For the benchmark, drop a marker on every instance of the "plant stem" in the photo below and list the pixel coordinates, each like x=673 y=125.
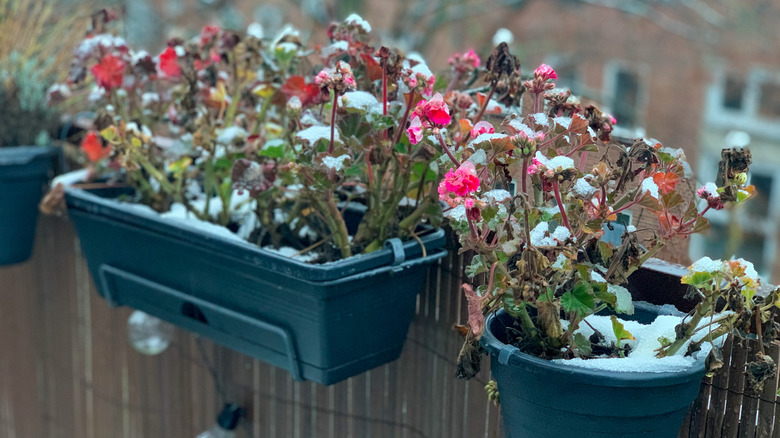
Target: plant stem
x=701 y=310
x=557 y=191
x=525 y=174
x=402 y=125
x=333 y=121
x=446 y=149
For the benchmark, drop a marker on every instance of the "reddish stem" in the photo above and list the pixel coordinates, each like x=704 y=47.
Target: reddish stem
x=446 y=149
x=333 y=121
x=583 y=159
x=402 y=125
x=384 y=89
x=557 y=191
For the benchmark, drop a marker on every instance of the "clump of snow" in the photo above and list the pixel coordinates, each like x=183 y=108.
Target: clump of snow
x=560 y=162
x=255 y=30
x=750 y=270
x=564 y=122
x=316 y=133
x=631 y=229
x=560 y=261
x=286 y=251
x=648 y=185
x=642 y=356
x=503 y=35
x=706 y=264
x=624 y=303
x=360 y=100
x=583 y=189
x=185 y=218
x=518 y=126
x=541 y=119
x=486 y=137
x=335 y=163
x=70 y=178
x=457 y=214
x=598 y=278
x=497 y=196
x=540 y=237
x=479 y=157
x=231 y=135
x=357 y=20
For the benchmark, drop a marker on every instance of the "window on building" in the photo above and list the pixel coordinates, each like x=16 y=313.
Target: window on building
x=733 y=92
x=625 y=97
x=769 y=100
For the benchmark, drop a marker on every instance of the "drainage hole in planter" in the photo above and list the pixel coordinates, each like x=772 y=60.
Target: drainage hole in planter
x=192 y=311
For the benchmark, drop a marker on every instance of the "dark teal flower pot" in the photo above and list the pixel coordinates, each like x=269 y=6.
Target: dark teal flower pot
x=542 y=399
x=24 y=171
x=320 y=322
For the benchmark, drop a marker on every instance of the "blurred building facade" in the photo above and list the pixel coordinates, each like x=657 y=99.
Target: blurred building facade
x=695 y=74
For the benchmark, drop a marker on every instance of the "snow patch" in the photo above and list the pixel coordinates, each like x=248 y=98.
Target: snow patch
x=316 y=133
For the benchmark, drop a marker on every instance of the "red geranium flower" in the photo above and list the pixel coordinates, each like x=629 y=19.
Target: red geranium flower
x=93 y=147
x=109 y=73
x=169 y=63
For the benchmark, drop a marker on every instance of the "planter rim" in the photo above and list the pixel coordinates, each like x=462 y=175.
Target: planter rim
x=19 y=155
x=395 y=253
x=512 y=356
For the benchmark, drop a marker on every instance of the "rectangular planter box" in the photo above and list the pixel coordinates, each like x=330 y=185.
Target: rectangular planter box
x=320 y=322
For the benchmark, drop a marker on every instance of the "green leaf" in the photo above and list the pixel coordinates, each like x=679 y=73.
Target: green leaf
x=273 y=149
x=601 y=292
x=579 y=300
x=476 y=267
x=582 y=344
x=621 y=334
x=697 y=279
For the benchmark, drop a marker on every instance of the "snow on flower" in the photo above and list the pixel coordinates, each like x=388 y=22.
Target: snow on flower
x=540 y=235
x=709 y=190
x=109 y=72
x=357 y=20
x=497 y=196
x=255 y=30
x=482 y=127
x=459 y=183
x=542 y=164
x=706 y=264
x=340 y=77
x=649 y=186
x=583 y=189
x=316 y=133
x=545 y=72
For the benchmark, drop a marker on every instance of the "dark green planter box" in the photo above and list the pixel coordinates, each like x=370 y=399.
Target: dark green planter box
x=542 y=399
x=24 y=171
x=320 y=322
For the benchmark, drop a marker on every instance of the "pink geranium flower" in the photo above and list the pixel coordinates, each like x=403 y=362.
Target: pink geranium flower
x=434 y=111
x=459 y=184
x=415 y=130
x=545 y=72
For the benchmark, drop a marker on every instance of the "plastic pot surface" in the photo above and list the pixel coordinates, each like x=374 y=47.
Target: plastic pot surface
x=320 y=322
x=542 y=399
x=24 y=171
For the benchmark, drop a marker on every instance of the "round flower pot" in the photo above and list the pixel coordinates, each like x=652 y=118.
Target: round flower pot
x=542 y=399
x=24 y=171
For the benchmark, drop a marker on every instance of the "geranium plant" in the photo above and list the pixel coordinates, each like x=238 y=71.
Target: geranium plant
x=531 y=197
x=273 y=139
